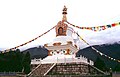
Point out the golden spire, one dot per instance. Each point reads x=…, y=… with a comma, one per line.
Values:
x=64, y=14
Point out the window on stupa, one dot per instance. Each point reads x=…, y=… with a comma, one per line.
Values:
x=60, y=31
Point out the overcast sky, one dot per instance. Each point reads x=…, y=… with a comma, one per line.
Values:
x=22, y=20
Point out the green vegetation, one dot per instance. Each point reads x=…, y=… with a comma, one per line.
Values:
x=15, y=61
x=26, y=63
x=100, y=64
x=112, y=50
x=117, y=68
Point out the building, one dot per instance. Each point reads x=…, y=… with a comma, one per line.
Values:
x=61, y=59
x=63, y=48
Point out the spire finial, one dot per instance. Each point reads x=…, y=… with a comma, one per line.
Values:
x=64, y=13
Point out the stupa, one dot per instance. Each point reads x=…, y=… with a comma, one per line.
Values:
x=63, y=48
x=61, y=60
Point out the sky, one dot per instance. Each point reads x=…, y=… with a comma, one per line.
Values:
x=23, y=20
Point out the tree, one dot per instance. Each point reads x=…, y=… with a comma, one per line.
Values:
x=26, y=63
x=11, y=61
x=117, y=68
x=100, y=64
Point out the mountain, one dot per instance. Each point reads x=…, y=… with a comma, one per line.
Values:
x=37, y=52
x=112, y=50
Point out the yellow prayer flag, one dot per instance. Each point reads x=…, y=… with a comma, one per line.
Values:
x=117, y=24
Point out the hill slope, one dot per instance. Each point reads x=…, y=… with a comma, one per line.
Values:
x=37, y=52
x=112, y=50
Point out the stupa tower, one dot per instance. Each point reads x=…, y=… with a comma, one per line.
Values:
x=63, y=44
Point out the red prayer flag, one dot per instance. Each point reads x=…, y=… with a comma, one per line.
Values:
x=103, y=28
x=113, y=25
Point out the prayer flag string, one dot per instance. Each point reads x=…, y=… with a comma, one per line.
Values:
x=16, y=47
x=102, y=54
x=96, y=28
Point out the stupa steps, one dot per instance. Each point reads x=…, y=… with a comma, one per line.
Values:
x=72, y=69
x=40, y=70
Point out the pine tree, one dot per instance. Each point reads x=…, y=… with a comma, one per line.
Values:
x=100, y=64
x=26, y=63
x=117, y=68
x=11, y=61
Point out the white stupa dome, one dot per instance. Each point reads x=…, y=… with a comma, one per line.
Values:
x=69, y=31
